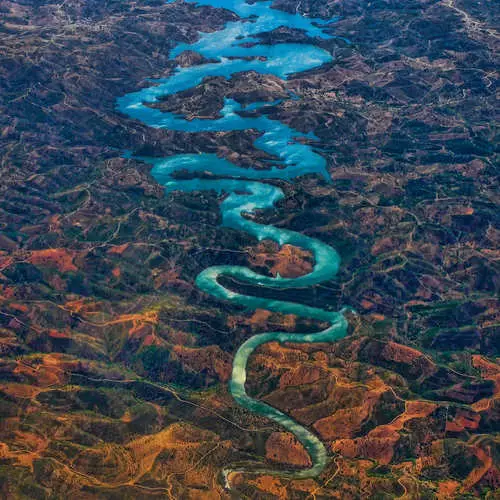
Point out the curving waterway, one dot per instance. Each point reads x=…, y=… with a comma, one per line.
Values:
x=246, y=189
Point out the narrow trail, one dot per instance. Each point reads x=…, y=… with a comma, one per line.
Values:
x=236, y=49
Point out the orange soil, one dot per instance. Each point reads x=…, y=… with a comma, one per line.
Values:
x=272, y=486
x=447, y=489
x=287, y=261
x=284, y=448
x=118, y=249
x=379, y=443
x=477, y=474
x=212, y=359
x=300, y=375
x=60, y=258
x=464, y=420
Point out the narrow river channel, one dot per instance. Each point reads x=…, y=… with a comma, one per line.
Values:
x=235, y=49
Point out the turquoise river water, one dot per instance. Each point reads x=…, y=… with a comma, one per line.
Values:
x=245, y=187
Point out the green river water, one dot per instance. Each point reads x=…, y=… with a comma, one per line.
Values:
x=246, y=188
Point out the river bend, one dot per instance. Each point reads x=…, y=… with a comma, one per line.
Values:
x=231, y=50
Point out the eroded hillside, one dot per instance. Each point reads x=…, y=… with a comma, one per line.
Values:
x=114, y=367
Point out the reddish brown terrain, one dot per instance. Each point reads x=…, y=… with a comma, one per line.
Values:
x=114, y=367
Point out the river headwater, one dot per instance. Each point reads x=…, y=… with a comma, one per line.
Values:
x=231, y=50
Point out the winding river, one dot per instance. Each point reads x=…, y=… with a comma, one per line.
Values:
x=235, y=48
